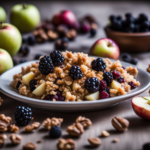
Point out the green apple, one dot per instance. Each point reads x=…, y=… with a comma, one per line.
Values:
x=25, y=17
x=28, y=77
x=5, y=61
x=2, y=14
x=105, y=48
x=115, y=85
x=10, y=38
x=92, y=96
x=40, y=90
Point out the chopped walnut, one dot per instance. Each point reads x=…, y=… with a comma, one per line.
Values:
x=15, y=139
x=48, y=123
x=68, y=144
x=76, y=129
x=84, y=121
x=34, y=126
x=94, y=141
x=105, y=133
x=13, y=128
x=4, y=122
x=29, y=146
x=115, y=140
x=1, y=100
x=3, y=137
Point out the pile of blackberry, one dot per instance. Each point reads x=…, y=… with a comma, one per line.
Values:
x=130, y=24
x=47, y=63
x=23, y=115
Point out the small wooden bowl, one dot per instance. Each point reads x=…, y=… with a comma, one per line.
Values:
x=130, y=42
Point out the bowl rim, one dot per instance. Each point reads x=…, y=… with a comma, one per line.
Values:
x=107, y=29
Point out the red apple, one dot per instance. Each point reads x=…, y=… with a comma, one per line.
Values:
x=105, y=47
x=141, y=106
x=66, y=17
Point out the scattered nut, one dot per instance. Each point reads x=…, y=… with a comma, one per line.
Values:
x=94, y=141
x=68, y=144
x=29, y=146
x=84, y=121
x=34, y=126
x=115, y=140
x=15, y=139
x=148, y=69
x=48, y=123
x=39, y=141
x=52, y=35
x=71, y=34
x=1, y=100
x=120, y=124
x=3, y=137
x=105, y=133
x=4, y=122
x=76, y=129
x=13, y=128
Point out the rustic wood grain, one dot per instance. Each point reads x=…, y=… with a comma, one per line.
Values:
x=138, y=132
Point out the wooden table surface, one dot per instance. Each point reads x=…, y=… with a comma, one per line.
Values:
x=138, y=132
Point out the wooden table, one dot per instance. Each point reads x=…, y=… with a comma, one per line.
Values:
x=138, y=132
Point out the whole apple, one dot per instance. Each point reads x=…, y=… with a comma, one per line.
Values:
x=25, y=17
x=5, y=61
x=66, y=17
x=10, y=38
x=141, y=106
x=105, y=47
x=2, y=14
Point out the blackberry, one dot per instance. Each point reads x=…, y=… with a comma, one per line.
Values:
x=112, y=18
x=146, y=146
x=115, y=74
x=23, y=115
x=98, y=64
x=103, y=85
x=15, y=62
x=32, y=84
x=37, y=56
x=45, y=65
x=75, y=72
x=108, y=77
x=24, y=51
x=18, y=84
x=31, y=40
x=92, y=84
x=133, y=86
x=103, y=95
x=57, y=58
x=55, y=132
x=93, y=32
x=126, y=57
x=48, y=97
x=143, y=17
x=121, y=79
x=134, y=61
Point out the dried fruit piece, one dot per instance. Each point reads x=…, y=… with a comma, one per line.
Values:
x=94, y=141
x=29, y=146
x=67, y=144
x=15, y=139
x=84, y=121
x=120, y=124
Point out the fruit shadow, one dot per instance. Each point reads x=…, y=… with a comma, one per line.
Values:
x=10, y=145
x=42, y=130
x=90, y=147
x=25, y=132
x=66, y=136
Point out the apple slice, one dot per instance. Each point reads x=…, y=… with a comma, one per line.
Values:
x=40, y=90
x=141, y=106
x=75, y=86
x=115, y=85
x=92, y=96
x=28, y=77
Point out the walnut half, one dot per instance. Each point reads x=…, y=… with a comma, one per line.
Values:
x=3, y=137
x=34, y=126
x=67, y=144
x=94, y=141
x=120, y=124
x=13, y=128
x=84, y=121
x=29, y=146
x=76, y=129
x=15, y=139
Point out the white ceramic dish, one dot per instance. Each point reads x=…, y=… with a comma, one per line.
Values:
x=6, y=78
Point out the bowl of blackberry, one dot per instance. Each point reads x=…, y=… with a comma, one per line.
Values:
x=132, y=34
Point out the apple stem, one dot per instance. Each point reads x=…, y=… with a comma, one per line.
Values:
x=24, y=6
x=0, y=25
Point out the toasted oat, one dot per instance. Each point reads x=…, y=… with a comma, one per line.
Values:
x=116, y=140
x=13, y=128
x=94, y=141
x=15, y=139
x=76, y=129
x=84, y=121
x=29, y=146
x=3, y=137
x=105, y=133
x=66, y=144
